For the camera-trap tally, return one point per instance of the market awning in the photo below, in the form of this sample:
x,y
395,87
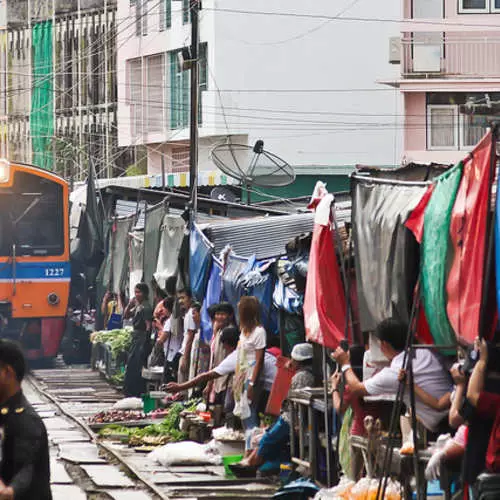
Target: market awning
x,y
208,178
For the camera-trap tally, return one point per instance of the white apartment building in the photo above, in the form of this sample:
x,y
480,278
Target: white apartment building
x,y
300,76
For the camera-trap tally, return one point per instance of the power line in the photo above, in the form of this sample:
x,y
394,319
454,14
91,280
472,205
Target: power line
x,y
443,23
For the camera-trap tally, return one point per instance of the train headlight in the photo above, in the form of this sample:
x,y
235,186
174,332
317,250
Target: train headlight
x,y
4,171
53,299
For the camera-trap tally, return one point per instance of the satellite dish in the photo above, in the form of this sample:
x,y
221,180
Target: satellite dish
x,y
252,165
222,194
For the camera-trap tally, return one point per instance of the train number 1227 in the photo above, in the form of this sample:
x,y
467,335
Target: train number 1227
x,y
54,272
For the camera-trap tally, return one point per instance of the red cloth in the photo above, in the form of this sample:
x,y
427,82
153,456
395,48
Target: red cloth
x,y
468,241
415,222
488,406
324,303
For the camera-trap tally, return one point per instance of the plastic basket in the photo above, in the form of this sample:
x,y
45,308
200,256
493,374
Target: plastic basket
x,y
227,461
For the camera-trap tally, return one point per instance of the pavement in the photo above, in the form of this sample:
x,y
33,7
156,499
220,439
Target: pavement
x,y
80,469
77,469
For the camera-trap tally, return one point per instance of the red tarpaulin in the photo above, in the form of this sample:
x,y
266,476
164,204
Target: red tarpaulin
x,y
324,304
468,240
415,222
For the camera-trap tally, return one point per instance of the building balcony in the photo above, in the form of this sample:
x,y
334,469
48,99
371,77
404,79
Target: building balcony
x,y
450,56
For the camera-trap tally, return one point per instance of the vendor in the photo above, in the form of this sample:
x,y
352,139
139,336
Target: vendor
x,y
251,348
185,299
222,316
429,374
111,309
224,370
273,445
141,313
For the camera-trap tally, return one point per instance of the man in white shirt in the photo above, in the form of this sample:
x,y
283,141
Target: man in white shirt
x,y
186,300
429,374
171,343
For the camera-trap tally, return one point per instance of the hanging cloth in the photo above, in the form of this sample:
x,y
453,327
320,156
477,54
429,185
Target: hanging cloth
x,y
325,314
468,240
434,253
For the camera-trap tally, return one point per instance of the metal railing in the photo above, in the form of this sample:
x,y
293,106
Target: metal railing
x,y
441,56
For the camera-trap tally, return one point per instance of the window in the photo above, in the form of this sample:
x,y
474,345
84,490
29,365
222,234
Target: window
x,y
154,91
180,85
134,94
478,6
165,14
141,18
179,93
472,129
186,11
38,215
442,127
180,159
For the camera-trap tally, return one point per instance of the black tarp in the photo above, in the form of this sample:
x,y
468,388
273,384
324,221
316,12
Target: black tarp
x,y
88,248
386,255
152,234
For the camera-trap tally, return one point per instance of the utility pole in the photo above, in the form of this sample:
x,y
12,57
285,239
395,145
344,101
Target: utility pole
x,y
195,89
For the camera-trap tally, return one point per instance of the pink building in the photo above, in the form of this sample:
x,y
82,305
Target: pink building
x,y
450,63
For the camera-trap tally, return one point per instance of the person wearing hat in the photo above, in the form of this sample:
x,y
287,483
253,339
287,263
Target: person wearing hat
x,y
273,447
222,316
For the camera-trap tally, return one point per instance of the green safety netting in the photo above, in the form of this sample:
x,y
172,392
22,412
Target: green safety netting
x,y
434,254
42,112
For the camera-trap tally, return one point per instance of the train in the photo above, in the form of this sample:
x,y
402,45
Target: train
x,y
35,271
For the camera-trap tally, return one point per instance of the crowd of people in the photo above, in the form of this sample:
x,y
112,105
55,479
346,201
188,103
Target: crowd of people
x,y
452,407
235,370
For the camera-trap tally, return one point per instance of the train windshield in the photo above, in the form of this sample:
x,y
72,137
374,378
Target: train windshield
x,y
31,217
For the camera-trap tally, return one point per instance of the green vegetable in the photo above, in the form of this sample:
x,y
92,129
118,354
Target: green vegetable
x,y
168,427
119,340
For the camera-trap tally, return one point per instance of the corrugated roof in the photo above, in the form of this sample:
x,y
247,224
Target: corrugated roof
x,y
265,237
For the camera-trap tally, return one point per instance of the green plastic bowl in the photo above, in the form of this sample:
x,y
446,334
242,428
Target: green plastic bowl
x,y
230,459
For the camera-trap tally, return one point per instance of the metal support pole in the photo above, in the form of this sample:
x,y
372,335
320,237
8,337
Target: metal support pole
x,y
109,166
79,31
416,464
162,172
54,79
328,437
195,89
31,73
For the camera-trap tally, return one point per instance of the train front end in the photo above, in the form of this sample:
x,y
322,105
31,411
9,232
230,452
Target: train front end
x,y
34,258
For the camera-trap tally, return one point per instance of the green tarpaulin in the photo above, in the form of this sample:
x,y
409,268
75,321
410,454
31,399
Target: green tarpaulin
x,y
42,99
434,254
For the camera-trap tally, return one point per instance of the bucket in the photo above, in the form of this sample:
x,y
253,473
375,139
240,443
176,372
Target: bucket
x,y
228,460
148,403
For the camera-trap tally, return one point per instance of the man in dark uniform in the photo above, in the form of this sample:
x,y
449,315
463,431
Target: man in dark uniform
x,y
24,461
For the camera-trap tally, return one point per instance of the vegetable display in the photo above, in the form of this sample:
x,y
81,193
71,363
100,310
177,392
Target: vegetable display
x,y
110,416
164,432
119,340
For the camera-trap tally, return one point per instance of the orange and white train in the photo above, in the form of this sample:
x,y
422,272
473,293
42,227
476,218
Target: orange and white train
x,y
35,268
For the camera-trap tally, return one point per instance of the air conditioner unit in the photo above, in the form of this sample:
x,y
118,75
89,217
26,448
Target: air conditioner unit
x,y
394,50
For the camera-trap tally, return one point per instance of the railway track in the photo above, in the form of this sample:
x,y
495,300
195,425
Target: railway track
x,y
66,397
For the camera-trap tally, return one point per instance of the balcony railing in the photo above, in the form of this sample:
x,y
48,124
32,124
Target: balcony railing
x,y
435,56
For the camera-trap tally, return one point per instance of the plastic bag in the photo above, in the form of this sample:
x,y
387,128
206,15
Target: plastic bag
x,y
128,404
242,407
185,453
340,492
